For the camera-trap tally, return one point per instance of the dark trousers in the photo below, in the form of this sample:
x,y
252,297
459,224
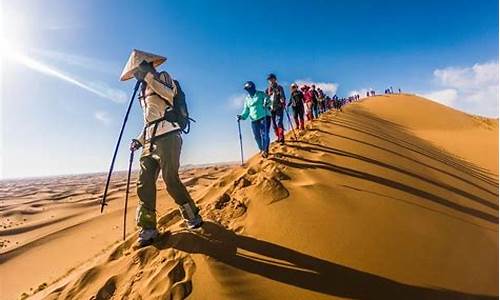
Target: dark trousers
x,y
164,156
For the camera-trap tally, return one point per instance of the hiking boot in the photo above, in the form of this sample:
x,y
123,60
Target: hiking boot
x,y
264,154
194,223
191,216
146,237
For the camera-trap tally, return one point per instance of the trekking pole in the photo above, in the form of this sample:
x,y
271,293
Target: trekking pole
x,y
241,142
103,201
291,124
126,193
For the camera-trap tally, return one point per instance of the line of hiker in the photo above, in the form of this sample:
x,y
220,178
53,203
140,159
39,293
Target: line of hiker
x,y
166,117
390,91
270,107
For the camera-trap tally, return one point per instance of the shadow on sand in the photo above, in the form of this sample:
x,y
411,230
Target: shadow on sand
x,y
291,267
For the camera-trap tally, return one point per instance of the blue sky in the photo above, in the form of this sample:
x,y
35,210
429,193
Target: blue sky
x,y
62,101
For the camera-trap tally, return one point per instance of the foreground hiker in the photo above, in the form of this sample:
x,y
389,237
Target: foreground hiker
x,y
161,143
297,103
257,106
277,96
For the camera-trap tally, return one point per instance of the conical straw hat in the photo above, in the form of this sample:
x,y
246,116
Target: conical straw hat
x,y
135,59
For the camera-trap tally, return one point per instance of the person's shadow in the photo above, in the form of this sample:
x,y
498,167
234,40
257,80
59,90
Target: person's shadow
x,y
294,268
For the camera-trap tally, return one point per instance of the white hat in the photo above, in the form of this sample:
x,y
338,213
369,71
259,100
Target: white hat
x,y
135,59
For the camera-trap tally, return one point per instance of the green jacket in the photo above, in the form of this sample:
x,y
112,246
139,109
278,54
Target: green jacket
x,y
256,107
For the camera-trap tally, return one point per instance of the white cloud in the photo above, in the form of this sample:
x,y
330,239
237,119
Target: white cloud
x,y
80,61
472,89
446,96
330,88
103,117
236,101
100,89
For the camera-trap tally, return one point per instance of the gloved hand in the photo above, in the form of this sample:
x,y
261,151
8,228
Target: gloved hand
x,y
139,75
142,70
135,145
146,67
238,117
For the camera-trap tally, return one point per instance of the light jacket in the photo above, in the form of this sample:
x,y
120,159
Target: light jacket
x,y
256,107
277,95
155,99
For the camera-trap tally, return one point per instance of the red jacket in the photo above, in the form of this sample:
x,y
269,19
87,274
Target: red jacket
x,y
308,96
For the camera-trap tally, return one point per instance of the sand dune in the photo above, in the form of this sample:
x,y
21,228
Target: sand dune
x,y
395,198
48,226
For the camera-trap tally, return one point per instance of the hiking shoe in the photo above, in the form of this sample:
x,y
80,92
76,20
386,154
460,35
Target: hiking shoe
x,y
195,222
191,216
264,154
146,237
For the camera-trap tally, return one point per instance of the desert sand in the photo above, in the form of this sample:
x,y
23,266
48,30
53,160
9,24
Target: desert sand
x,y
49,226
394,198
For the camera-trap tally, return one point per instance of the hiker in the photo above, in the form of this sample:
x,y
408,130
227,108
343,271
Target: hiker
x,y
257,107
277,96
315,95
308,101
297,103
160,97
321,101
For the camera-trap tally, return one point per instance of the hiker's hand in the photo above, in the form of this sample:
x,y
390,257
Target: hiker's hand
x,y
146,67
139,75
135,145
238,117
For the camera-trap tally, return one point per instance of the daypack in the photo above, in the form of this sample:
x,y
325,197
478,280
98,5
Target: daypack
x,y
179,113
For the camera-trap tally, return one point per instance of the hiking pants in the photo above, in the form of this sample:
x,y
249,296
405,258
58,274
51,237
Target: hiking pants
x,y
298,116
309,114
260,129
163,156
315,110
277,118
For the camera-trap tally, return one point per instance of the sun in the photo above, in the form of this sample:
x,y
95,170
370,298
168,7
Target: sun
x,y
15,33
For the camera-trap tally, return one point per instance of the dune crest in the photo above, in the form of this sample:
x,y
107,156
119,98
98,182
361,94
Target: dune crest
x,y
376,202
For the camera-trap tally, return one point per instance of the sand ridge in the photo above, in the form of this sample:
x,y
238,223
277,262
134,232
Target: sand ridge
x,y
369,203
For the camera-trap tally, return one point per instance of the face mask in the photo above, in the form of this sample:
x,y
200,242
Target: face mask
x,y
251,91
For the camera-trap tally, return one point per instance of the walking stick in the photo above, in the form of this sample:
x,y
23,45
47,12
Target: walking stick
x,y
103,201
126,193
241,142
291,124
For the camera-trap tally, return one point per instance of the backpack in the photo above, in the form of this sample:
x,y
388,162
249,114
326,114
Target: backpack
x,y
181,110
179,113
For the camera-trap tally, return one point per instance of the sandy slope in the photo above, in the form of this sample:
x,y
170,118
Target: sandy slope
x,y
395,198
51,225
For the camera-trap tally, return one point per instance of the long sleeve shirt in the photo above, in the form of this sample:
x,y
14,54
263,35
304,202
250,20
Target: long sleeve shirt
x,y
256,107
156,98
277,95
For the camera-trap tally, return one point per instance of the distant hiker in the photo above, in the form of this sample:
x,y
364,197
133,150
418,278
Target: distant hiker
x,y
277,96
257,106
297,103
321,101
391,91
315,109
399,91
308,101
367,94
163,103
